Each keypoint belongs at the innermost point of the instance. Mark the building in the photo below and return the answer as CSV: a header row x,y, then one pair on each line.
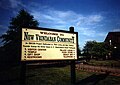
x,y
113,42
113,39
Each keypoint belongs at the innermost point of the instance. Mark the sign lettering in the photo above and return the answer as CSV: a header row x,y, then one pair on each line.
x,y
40,44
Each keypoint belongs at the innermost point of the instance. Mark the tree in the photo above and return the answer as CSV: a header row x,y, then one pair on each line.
x,y
11,38
87,50
99,50
95,49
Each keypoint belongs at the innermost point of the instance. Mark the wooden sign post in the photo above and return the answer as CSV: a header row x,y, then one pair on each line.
x,y
73,73
23,73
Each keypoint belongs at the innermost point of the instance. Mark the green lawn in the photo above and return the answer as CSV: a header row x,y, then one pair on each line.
x,y
55,76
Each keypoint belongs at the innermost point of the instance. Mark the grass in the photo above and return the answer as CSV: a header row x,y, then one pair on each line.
x,y
51,76
110,80
55,76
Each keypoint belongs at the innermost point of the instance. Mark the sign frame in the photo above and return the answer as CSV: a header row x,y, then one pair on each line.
x,y
53,30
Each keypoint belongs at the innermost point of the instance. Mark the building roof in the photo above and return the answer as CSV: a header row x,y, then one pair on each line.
x,y
113,38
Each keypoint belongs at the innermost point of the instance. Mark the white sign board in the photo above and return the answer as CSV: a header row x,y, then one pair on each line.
x,y
39,44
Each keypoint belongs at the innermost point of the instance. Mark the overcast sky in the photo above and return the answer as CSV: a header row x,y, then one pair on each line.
x,y
92,19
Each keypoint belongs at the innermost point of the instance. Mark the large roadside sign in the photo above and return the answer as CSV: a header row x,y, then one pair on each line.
x,y
48,44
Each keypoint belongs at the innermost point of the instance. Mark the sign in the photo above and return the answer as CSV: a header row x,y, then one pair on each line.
x,y
42,44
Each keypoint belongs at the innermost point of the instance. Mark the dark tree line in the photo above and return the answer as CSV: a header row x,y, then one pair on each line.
x,y
100,50
93,49
11,39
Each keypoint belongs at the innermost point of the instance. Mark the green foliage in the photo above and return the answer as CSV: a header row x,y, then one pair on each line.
x,y
87,50
99,50
95,49
11,39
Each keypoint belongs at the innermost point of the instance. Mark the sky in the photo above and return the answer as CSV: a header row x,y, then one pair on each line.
x,y
92,19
